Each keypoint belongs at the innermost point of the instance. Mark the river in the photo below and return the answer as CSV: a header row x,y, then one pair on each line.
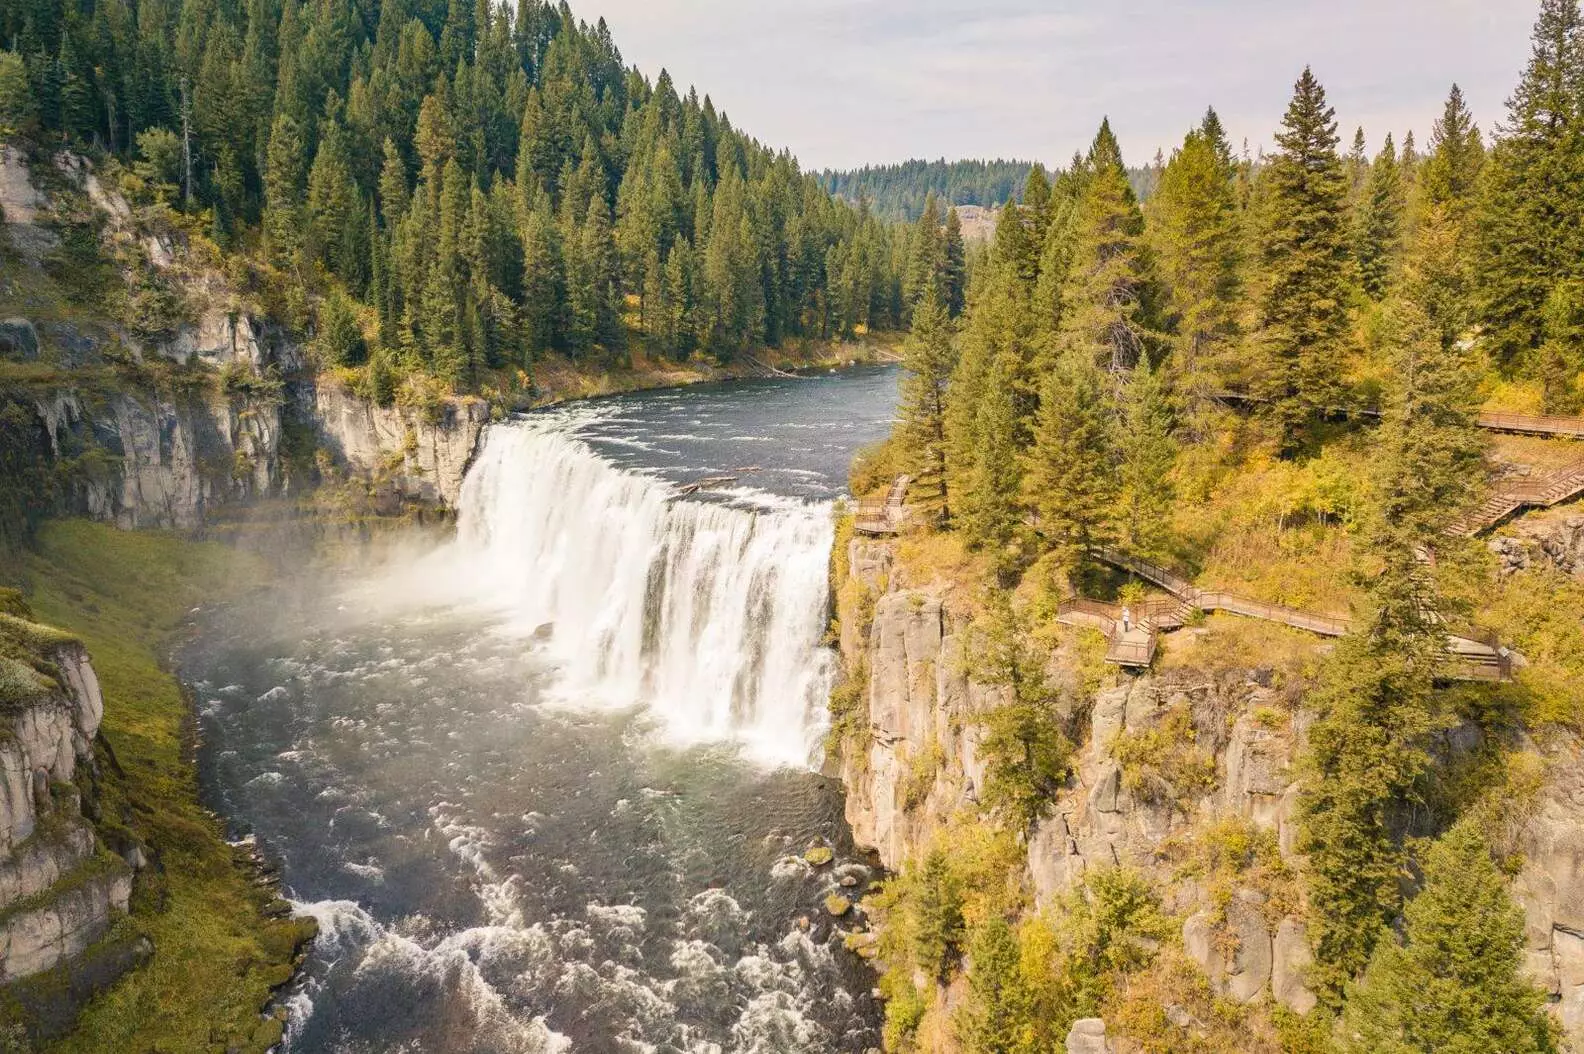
x,y
548,787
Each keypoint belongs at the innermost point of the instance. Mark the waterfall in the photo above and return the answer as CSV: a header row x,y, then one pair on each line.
x,y
711,615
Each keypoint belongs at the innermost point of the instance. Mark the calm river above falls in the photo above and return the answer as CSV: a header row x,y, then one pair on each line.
x,y
547,788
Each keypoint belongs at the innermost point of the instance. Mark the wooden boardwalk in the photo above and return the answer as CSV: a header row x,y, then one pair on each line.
x,y
1475,657
1134,634
1533,425
887,515
1508,499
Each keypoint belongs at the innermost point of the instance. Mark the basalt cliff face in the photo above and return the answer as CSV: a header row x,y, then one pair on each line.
x,y
62,884
1225,754
220,409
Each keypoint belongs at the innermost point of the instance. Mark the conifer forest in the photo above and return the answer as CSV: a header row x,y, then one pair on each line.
x,y
496,558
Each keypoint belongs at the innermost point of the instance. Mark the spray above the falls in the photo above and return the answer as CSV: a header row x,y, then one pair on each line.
x,y
709,614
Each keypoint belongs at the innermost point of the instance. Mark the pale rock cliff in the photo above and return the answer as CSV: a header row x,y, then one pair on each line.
x,y
147,453
60,890
1239,739
409,455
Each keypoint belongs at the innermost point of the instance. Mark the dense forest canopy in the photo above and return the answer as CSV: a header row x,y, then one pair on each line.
x,y
899,192
1316,330
450,186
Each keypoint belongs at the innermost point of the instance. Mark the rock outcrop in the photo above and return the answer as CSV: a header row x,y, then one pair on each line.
x,y
920,703
409,454
60,888
1550,887
148,459
1227,744
1551,539
164,431
1166,764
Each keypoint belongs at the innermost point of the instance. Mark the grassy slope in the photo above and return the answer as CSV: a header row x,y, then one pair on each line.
x,y
216,957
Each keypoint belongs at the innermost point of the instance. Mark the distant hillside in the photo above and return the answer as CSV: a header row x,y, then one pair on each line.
x,y
898,192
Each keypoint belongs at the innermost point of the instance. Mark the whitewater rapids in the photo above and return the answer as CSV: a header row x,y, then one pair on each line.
x,y
709,613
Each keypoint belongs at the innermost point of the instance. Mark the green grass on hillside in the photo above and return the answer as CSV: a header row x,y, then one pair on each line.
x,y
216,956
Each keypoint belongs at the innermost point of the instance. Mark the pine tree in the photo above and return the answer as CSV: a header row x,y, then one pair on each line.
x,y
598,256
340,338
1072,476
938,932
927,259
1366,751
1457,154
987,501
285,176
1357,165
1196,233
1531,212
1302,315
995,1017
1374,703
1148,454
955,270
1455,984
1026,755
927,362
332,203
1437,269
544,283
393,196
1105,300
1378,223
1429,457
18,110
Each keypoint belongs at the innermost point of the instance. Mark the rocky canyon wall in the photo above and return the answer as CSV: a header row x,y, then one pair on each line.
x,y
1168,766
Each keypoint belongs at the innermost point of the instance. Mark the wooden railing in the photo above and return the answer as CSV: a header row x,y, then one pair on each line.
x,y
1133,653
1476,654
886,515
1554,488
1324,625
1532,424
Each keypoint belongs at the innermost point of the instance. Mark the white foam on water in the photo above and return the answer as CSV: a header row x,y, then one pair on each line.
x,y
711,615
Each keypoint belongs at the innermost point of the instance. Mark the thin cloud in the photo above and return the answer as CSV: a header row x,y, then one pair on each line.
x,y
848,82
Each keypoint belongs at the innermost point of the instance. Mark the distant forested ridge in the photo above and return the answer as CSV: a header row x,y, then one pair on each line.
x,y
899,192
448,186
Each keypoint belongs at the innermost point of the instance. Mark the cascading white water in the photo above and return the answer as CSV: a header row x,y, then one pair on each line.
x,y
711,615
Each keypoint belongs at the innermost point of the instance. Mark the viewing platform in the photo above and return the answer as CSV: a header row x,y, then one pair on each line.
x,y
884,516
1134,631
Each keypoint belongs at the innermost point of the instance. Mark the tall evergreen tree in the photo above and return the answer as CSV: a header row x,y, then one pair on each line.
x,y
927,361
1148,453
1374,705
1195,231
1105,300
1438,272
1532,213
1455,984
1302,315
1378,223
987,501
1071,471
955,269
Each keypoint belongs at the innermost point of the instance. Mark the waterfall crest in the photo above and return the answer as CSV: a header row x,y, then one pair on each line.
x,y
711,615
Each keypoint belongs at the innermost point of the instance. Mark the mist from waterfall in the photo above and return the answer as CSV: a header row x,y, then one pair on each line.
x,y
708,612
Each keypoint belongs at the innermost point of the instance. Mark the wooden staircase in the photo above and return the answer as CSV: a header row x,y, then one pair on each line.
x,y
1134,636
887,515
1543,492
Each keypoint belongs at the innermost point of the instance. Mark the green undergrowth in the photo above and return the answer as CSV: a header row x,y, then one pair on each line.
x,y
217,957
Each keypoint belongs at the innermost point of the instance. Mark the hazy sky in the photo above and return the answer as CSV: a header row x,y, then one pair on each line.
x,y
844,82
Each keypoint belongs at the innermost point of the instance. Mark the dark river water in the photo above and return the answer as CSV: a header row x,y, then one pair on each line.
x,y
548,788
